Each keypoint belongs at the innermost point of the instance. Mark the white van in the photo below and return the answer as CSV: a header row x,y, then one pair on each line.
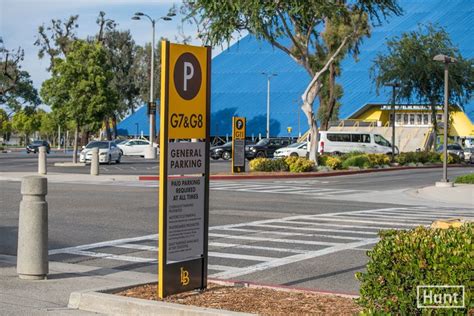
x,y
345,142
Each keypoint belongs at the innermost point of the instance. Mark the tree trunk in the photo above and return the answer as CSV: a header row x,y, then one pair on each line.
x,y
108,135
114,126
307,108
312,90
76,139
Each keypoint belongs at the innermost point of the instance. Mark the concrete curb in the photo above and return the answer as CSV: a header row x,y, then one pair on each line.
x,y
103,301
304,175
283,288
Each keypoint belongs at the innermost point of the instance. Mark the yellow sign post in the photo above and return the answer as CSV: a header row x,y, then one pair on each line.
x,y
184,168
238,144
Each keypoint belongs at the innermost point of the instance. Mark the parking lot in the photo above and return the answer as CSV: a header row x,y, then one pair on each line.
x,y
130,165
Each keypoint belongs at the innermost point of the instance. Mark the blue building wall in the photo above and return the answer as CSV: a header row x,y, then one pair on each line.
x,y
240,89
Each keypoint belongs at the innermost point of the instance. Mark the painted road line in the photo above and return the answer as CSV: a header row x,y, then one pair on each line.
x,y
110,256
449,213
316,229
287,241
293,259
409,215
340,225
239,256
352,220
389,219
255,231
237,246
110,243
137,247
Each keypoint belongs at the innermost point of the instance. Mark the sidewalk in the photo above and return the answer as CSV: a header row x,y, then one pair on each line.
x,y
50,297
459,194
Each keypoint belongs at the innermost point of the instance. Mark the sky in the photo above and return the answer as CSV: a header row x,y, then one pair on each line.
x,y
20,19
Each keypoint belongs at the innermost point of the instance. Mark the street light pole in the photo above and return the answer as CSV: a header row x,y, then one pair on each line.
x,y
446,60
394,86
269,75
151,149
150,153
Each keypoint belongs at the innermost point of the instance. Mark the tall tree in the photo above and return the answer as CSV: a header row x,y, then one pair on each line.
x,y
16,87
25,122
293,26
5,124
79,86
121,52
409,61
55,40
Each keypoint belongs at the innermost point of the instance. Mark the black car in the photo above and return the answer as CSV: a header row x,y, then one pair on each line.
x,y
34,146
223,151
266,147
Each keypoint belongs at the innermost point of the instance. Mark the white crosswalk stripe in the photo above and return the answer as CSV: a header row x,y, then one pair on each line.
x,y
307,188
243,248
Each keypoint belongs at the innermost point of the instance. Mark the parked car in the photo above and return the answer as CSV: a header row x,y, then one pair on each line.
x,y
454,149
108,152
266,147
223,151
469,154
35,145
135,147
345,142
293,150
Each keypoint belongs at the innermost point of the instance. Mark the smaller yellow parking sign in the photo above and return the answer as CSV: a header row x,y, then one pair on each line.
x,y
185,89
238,144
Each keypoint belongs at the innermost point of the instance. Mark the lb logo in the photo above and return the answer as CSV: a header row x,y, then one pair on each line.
x,y
184,277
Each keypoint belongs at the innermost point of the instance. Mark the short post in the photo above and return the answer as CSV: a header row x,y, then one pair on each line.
x,y
42,160
95,162
32,255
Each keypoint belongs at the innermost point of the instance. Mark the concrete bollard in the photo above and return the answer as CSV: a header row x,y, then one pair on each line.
x,y
32,255
42,160
95,162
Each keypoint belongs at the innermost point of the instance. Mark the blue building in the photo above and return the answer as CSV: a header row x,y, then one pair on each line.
x,y
240,89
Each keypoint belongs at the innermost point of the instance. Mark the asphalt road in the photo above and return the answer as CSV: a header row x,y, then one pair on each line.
x,y
292,232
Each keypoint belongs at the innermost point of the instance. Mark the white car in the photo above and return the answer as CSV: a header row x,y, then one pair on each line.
x,y
135,147
293,150
108,152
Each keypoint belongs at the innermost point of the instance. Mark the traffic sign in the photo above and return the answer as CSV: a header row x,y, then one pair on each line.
x,y
238,144
184,168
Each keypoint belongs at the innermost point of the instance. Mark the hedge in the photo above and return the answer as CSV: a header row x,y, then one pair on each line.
x,y
293,164
466,179
402,260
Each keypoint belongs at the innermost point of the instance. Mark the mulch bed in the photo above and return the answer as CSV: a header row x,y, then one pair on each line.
x,y
261,301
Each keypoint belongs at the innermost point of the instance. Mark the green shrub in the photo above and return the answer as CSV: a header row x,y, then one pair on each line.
x,y
322,159
378,159
467,179
360,161
402,260
293,164
266,164
2,148
334,162
290,159
417,157
452,158
302,165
